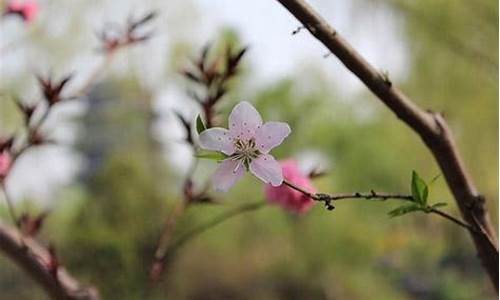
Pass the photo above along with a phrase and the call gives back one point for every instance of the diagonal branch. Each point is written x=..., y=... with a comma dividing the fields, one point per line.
x=431, y=127
x=35, y=260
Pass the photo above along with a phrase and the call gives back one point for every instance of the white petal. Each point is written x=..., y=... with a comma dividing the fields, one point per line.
x=267, y=169
x=244, y=121
x=217, y=139
x=270, y=135
x=228, y=173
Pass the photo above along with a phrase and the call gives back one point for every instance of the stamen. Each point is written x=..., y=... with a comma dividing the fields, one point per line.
x=237, y=167
x=246, y=151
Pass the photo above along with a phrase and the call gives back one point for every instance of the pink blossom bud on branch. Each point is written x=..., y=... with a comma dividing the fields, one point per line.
x=288, y=198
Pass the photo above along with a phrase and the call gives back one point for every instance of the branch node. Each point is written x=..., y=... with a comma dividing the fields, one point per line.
x=329, y=205
x=323, y=197
x=385, y=77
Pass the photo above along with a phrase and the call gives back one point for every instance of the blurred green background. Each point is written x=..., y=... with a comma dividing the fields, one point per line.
x=130, y=161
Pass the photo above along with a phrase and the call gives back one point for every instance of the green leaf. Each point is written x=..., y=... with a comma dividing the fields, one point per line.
x=419, y=189
x=404, y=209
x=200, y=126
x=439, y=204
x=210, y=155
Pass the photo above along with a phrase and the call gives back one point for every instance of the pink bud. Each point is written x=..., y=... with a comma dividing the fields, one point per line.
x=5, y=163
x=26, y=9
x=287, y=197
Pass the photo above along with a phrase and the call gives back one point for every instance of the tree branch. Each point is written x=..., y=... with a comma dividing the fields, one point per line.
x=431, y=127
x=356, y=195
x=372, y=195
x=35, y=260
x=455, y=220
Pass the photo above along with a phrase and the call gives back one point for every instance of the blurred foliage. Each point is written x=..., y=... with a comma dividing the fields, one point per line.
x=106, y=225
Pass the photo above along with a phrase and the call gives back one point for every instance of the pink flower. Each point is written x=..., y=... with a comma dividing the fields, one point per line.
x=246, y=144
x=27, y=10
x=5, y=163
x=287, y=197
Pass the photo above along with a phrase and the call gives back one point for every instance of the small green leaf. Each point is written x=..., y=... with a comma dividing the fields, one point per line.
x=200, y=126
x=439, y=204
x=419, y=189
x=404, y=209
x=210, y=155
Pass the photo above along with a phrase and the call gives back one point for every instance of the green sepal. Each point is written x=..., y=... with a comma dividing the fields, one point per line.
x=200, y=126
x=210, y=155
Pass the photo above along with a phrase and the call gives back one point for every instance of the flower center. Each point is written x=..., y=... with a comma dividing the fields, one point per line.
x=245, y=151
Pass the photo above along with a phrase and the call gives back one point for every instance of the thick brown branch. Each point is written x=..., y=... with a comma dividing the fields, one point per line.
x=431, y=127
x=35, y=260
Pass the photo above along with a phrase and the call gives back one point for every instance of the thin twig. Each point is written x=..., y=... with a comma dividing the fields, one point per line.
x=459, y=222
x=340, y=196
x=170, y=223
x=31, y=130
x=168, y=229
x=455, y=220
x=372, y=195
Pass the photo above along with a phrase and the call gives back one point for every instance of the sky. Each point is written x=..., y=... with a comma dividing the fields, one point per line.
x=374, y=30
